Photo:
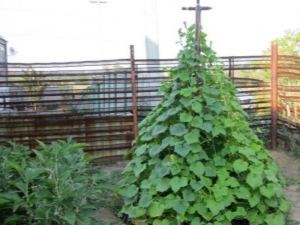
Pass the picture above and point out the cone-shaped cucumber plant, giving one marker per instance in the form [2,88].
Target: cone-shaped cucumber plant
[196,161]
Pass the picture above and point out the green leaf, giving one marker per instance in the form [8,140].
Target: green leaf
[196,221]
[197,107]
[254,180]
[161,222]
[177,183]
[70,217]
[240,166]
[284,205]
[175,141]
[196,185]
[186,117]
[32,173]
[219,191]
[186,102]
[156,209]
[163,117]
[188,195]
[243,193]
[15,166]
[183,150]
[169,201]
[138,169]
[163,185]
[219,161]
[270,175]
[168,102]
[192,137]
[184,76]
[180,206]
[217,107]
[162,170]
[131,191]
[136,212]
[197,168]
[21,186]
[208,117]
[268,191]
[275,219]
[140,150]
[209,101]
[210,172]
[158,130]
[197,122]
[155,150]
[145,201]
[174,111]
[191,158]
[178,129]
[240,137]
[186,92]
[207,126]
[39,155]
[215,207]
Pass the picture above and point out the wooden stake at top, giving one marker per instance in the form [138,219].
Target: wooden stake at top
[198,10]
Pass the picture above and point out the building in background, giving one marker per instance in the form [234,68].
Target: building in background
[3,60]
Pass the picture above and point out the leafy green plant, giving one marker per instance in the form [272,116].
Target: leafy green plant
[196,161]
[57,186]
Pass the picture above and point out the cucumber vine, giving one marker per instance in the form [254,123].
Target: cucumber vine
[196,161]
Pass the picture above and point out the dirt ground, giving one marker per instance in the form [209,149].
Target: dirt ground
[290,167]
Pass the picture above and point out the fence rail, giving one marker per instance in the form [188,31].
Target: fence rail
[94,101]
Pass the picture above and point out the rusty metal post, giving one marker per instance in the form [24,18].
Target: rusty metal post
[198,27]
[134,94]
[274,95]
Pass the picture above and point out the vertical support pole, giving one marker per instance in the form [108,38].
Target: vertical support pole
[274,95]
[134,95]
[198,27]
[296,112]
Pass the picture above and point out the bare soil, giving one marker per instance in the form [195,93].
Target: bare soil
[290,167]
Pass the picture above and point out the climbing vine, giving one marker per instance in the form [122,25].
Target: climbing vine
[196,161]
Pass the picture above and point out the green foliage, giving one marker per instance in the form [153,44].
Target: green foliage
[57,186]
[33,83]
[288,44]
[203,164]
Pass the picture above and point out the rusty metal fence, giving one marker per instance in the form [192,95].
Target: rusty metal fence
[101,102]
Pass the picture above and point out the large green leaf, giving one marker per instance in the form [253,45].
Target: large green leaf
[158,130]
[178,129]
[197,107]
[198,168]
[192,137]
[145,201]
[180,206]
[163,185]
[186,117]
[254,180]
[156,209]
[269,190]
[183,150]
[70,217]
[240,166]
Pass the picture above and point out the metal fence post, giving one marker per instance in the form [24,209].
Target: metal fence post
[274,95]
[134,93]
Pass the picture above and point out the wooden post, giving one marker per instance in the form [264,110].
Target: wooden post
[134,95]
[274,95]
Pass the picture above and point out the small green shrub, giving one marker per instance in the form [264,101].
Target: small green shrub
[57,186]
[196,161]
